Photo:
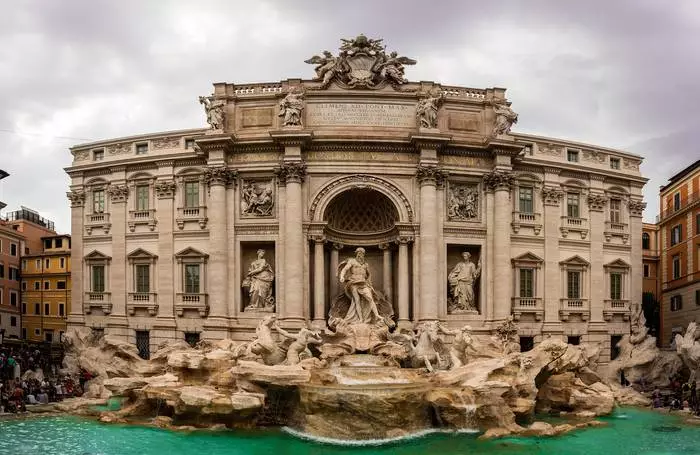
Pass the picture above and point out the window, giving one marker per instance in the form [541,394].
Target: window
[98,278]
[60,285]
[646,240]
[615,214]
[697,297]
[142,278]
[24,285]
[189,143]
[14,273]
[62,263]
[614,348]
[38,264]
[24,308]
[37,285]
[572,205]
[98,201]
[2,271]
[191,194]
[192,338]
[141,149]
[697,224]
[13,298]
[58,243]
[47,309]
[61,309]
[614,163]
[527,343]
[48,336]
[47,263]
[47,244]
[24,333]
[616,286]
[13,321]
[526,200]
[192,278]
[47,285]
[573,340]
[37,308]
[676,266]
[573,285]
[143,343]
[98,155]
[527,288]
[646,270]
[24,265]
[677,201]
[142,197]
[13,249]
[676,303]
[37,332]
[572,156]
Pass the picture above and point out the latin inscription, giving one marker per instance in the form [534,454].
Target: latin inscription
[361,114]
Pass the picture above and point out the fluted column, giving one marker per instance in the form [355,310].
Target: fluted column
[500,182]
[387,281]
[292,174]
[427,308]
[333,281]
[75,306]
[319,282]
[403,284]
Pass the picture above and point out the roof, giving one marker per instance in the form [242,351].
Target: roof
[676,177]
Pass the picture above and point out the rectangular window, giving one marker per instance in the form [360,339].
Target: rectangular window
[2,271]
[98,155]
[614,348]
[677,201]
[24,308]
[47,309]
[697,297]
[62,263]
[58,243]
[60,285]
[47,244]
[13,249]
[37,332]
[13,298]
[24,265]
[14,273]
[614,163]
[61,309]
[697,224]
[676,303]
[48,336]
[573,340]
[526,200]
[98,278]
[572,156]
[527,343]
[192,338]
[143,344]
[646,270]
[676,266]
[615,213]
[616,286]
[37,308]
[192,278]
[189,143]
[141,149]
[24,285]
[47,263]
[142,278]
[47,285]
[98,201]
[191,194]
[527,288]
[572,205]
[676,234]
[13,321]
[573,285]
[38,264]
[142,197]
[37,285]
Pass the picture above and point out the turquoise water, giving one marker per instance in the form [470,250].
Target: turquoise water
[629,431]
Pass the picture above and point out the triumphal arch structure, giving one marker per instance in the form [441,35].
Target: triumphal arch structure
[355,194]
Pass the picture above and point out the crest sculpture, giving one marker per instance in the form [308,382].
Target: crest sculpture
[361,63]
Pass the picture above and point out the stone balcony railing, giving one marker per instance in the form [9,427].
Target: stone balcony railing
[573,224]
[616,306]
[99,220]
[190,301]
[191,214]
[528,305]
[145,300]
[101,300]
[533,220]
[147,217]
[574,306]
[613,229]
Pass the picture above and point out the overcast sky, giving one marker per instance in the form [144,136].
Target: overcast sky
[616,73]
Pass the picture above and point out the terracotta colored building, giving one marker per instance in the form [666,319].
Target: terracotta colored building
[650,258]
[11,246]
[679,229]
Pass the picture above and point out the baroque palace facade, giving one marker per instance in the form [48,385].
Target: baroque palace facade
[201,233]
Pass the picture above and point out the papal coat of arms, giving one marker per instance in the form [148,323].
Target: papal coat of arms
[361,63]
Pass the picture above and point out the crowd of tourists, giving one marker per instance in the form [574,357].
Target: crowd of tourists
[680,395]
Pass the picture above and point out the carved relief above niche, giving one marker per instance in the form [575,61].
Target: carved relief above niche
[257,198]
[462,201]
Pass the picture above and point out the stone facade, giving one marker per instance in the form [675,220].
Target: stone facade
[415,173]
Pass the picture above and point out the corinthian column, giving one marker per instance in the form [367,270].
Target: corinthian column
[386,272]
[333,281]
[165,193]
[500,183]
[118,195]
[75,311]
[319,282]
[403,283]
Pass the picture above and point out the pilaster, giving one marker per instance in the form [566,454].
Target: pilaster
[165,194]
[75,312]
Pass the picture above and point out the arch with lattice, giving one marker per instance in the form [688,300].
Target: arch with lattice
[361,211]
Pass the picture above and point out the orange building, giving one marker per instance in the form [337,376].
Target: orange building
[651,260]
[679,230]
[11,246]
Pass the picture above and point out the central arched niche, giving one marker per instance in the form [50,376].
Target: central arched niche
[361,212]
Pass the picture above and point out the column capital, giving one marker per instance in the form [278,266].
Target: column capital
[430,175]
[76,197]
[552,196]
[291,172]
[384,246]
[636,208]
[118,193]
[499,180]
[338,246]
[165,189]
[404,239]
[220,175]
[596,202]
[318,238]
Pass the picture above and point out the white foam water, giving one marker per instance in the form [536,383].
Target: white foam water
[373,442]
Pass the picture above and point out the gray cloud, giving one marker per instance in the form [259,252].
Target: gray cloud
[620,74]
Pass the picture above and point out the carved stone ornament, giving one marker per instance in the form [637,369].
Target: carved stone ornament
[77,198]
[118,193]
[549,150]
[499,180]
[552,196]
[166,142]
[462,202]
[219,176]
[291,172]
[257,198]
[361,63]
[214,108]
[430,175]
[165,189]
[596,202]
[637,208]
[81,156]
[596,157]
[427,108]
[632,165]
[119,149]
[291,106]
[505,117]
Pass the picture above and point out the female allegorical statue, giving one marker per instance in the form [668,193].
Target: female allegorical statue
[259,280]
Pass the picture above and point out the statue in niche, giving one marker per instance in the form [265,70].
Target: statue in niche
[215,111]
[259,280]
[461,280]
[257,199]
[291,107]
[427,109]
[505,117]
[463,202]
[359,303]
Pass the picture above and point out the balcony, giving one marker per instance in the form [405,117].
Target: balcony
[191,214]
[143,217]
[613,229]
[98,220]
[673,210]
[101,300]
[533,220]
[187,301]
[568,307]
[616,306]
[573,224]
[145,300]
[528,305]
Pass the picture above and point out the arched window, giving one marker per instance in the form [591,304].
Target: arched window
[645,241]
